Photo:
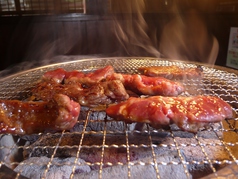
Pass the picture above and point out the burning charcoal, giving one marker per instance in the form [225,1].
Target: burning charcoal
[92,145]
[97,120]
[143,171]
[36,167]
[99,126]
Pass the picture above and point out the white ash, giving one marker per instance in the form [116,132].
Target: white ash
[9,151]
[91,149]
[36,167]
[136,170]
[70,142]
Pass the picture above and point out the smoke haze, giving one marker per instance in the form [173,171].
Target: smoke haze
[183,35]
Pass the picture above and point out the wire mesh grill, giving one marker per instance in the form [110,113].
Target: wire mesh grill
[100,147]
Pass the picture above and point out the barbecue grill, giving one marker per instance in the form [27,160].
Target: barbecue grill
[164,153]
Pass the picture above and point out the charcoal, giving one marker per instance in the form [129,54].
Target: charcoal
[139,146]
[9,151]
[213,131]
[102,125]
[35,167]
[138,170]
[69,143]
[97,120]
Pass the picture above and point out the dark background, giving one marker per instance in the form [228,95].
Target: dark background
[34,38]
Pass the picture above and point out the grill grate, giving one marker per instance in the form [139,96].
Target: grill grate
[111,147]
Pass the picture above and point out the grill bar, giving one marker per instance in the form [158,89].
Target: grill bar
[153,154]
[127,152]
[102,155]
[180,155]
[51,159]
[80,145]
[205,154]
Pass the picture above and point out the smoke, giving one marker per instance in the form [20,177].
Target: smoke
[181,34]
[131,29]
[26,65]
[185,35]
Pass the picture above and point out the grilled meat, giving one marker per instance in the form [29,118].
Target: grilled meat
[56,75]
[18,117]
[61,76]
[149,85]
[139,84]
[172,72]
[101,93]
[89,89]
[97,76]
[188,113]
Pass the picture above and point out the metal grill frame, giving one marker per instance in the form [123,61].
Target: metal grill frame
[218,81]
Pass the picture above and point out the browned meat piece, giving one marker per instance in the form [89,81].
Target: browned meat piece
[149,85]
[17,117]
[102,93]
[172,72]
[46,90]
[73,76]
[98,94]
[115,90]
[188,113]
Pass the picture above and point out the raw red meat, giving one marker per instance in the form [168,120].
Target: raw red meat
[189,113]
[145,85]
[56,75]
[59,75]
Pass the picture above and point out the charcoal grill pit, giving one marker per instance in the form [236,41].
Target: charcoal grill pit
[165,154]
